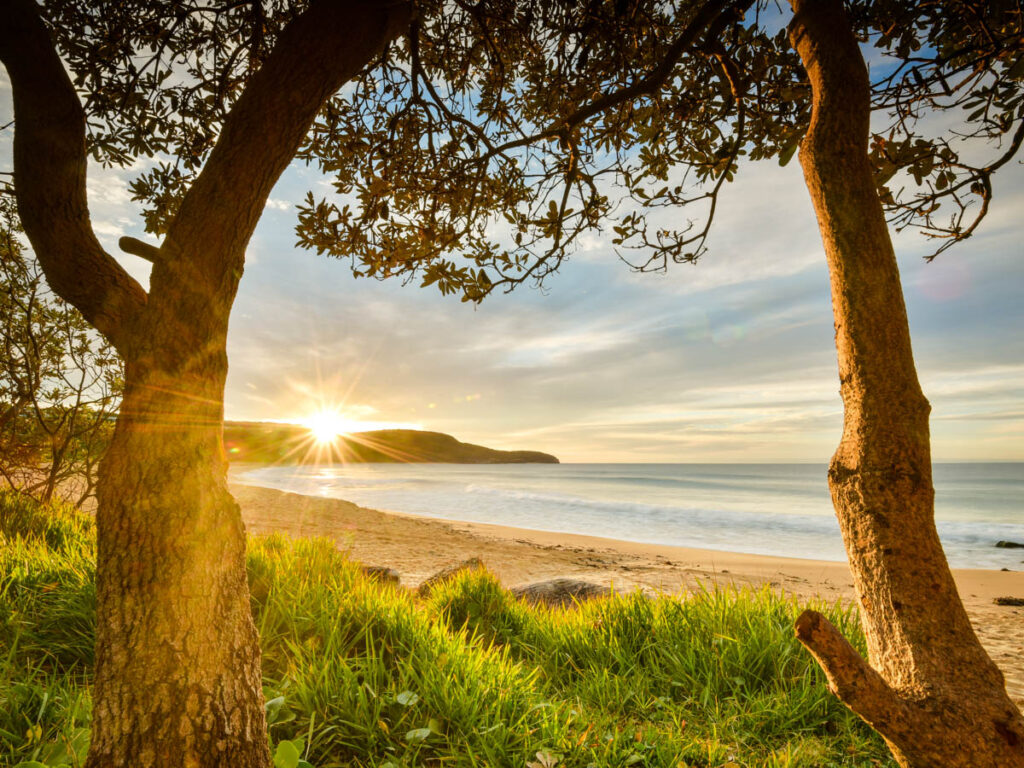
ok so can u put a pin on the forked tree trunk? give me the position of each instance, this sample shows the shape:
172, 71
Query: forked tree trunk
177, 677
931, 690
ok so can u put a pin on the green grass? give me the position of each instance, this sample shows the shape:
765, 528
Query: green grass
362, 674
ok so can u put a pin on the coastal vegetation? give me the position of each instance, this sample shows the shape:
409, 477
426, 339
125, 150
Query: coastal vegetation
362, 673
60, 382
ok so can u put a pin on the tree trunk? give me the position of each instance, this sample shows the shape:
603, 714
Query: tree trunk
931, 689
177, 678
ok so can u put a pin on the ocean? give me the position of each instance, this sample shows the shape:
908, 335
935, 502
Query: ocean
769, 509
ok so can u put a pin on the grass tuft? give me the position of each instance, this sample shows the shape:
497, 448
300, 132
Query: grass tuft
357, 673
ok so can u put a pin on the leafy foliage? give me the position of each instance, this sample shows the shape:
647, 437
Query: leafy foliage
506, 132
485, 146
484, 149
964, 59
159, 78
60, 383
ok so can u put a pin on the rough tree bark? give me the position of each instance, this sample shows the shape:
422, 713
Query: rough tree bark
930, 690
177, 676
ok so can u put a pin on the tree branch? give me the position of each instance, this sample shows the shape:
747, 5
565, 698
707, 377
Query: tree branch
850, 677
315, 55
50, 167
137, 247
711, 16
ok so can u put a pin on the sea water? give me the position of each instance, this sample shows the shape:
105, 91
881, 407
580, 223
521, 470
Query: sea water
770, 509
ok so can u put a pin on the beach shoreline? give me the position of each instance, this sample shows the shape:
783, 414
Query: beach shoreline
417, 547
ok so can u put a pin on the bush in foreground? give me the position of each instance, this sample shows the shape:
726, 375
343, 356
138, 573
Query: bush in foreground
362, 674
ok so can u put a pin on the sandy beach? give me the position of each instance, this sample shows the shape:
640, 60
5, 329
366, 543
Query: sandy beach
417, 547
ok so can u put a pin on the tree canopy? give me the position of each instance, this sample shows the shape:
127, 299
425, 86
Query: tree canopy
486, 142
480, 146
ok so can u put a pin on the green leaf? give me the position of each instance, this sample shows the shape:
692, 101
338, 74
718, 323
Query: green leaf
416, 735
407, 698
788, 151
273, 705
55, 754
278, 712
287, 755
1017, 70
79, 744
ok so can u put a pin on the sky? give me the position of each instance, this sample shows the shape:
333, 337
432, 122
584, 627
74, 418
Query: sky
728, 360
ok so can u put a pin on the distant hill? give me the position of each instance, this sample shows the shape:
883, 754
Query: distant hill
265, 442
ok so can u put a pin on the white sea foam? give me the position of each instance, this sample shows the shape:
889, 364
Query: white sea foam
781, 509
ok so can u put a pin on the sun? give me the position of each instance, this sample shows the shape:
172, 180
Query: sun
327, 426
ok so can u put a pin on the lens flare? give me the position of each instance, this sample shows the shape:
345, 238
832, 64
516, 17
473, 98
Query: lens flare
327, 426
